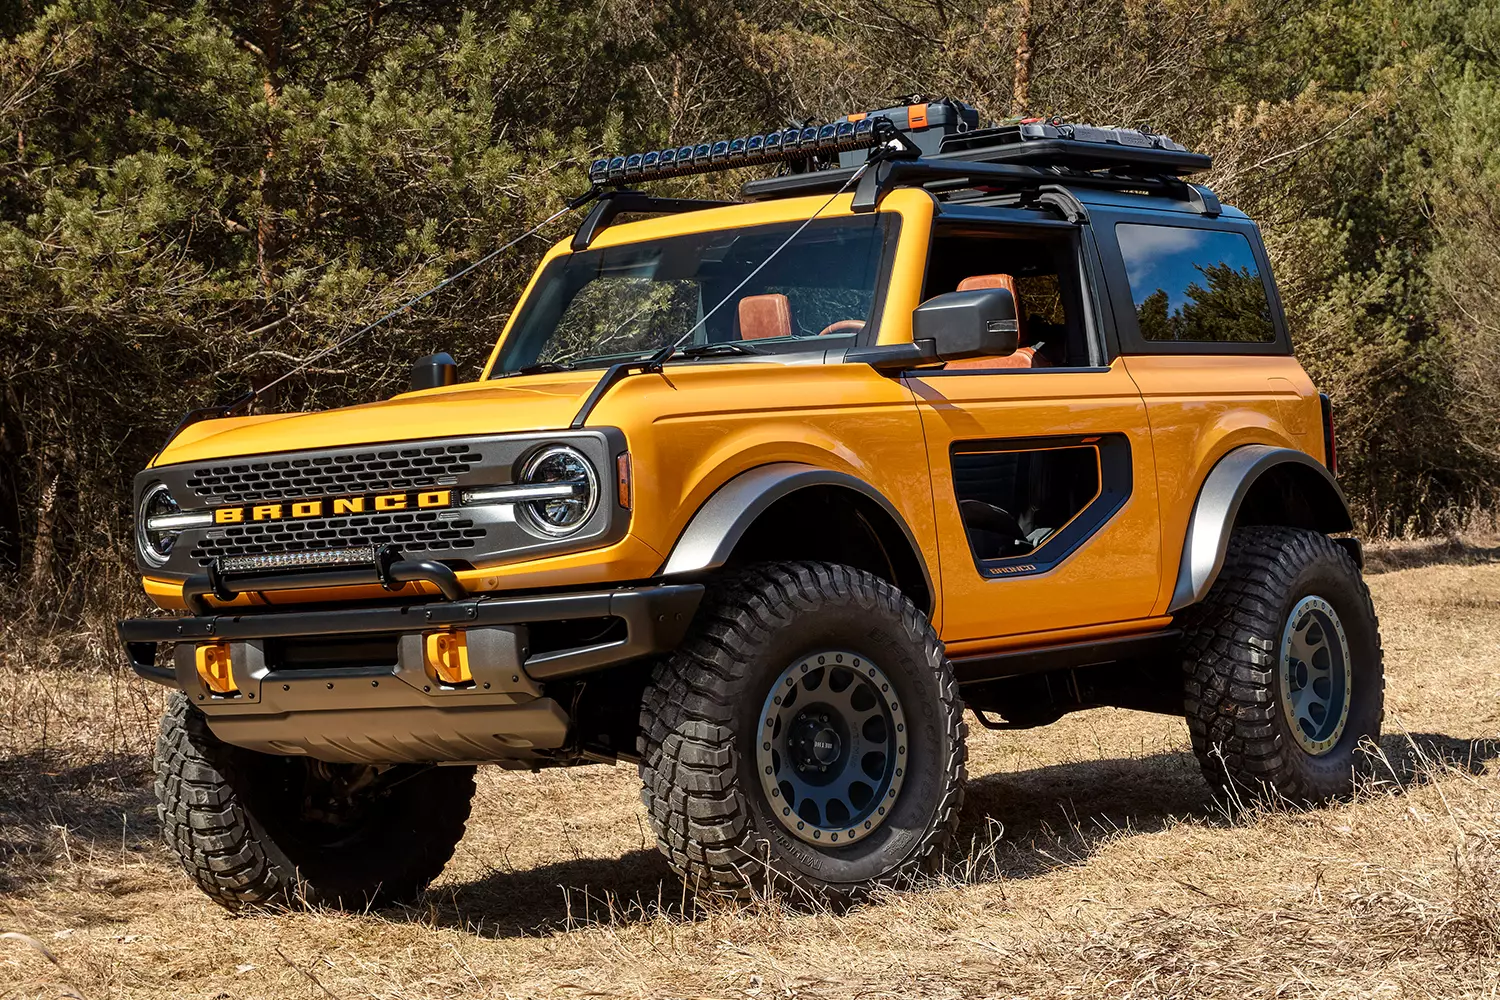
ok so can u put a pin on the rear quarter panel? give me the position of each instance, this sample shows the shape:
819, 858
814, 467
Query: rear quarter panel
1200, 407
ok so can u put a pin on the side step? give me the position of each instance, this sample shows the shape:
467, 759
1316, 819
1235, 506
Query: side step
1017, 663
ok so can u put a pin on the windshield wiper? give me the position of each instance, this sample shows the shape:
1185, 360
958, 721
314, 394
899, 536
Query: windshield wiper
712, 350
540, 367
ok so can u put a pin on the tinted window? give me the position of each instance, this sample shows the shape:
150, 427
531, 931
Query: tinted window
1196, 285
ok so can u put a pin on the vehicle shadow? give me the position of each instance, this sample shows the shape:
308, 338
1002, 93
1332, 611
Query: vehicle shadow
1390, 557
1014, 825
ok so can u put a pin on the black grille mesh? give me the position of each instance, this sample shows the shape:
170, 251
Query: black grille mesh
384, 471
416, 530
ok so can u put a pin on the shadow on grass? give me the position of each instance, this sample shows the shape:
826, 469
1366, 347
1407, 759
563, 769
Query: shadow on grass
1052, 817
51, 810
1392, 556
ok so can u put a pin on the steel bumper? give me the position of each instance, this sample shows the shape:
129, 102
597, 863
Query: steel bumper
389, 713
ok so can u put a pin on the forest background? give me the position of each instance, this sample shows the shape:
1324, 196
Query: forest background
196, 195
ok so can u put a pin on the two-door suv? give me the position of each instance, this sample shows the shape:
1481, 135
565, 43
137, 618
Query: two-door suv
760, 496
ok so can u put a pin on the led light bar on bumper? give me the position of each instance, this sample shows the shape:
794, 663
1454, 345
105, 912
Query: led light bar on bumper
466, 502
313, 559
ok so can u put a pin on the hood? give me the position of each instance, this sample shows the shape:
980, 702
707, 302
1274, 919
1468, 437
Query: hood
502, 406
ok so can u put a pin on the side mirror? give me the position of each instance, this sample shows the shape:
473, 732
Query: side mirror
433, 371
977, 324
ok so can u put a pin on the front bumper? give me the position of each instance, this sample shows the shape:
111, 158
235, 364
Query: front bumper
396, 712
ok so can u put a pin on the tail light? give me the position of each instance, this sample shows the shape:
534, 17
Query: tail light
1330, 442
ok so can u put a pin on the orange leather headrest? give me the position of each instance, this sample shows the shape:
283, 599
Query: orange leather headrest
975, 282
763, 316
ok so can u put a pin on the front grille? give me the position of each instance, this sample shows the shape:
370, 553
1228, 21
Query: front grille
411, 530
388, 470
473, 534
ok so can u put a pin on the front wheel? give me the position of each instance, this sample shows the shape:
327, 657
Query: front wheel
1283, 668
253, 829
808, 735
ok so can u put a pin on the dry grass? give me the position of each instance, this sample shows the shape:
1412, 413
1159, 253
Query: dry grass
1113, 875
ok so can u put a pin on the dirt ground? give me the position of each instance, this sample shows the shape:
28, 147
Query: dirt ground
1093, 864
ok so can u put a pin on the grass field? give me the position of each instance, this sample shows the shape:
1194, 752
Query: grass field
1093, 864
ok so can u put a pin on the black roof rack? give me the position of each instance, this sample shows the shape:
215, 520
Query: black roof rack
944, 149
968, 173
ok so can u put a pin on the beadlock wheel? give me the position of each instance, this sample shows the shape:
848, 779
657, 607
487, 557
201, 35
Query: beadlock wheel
1283, 674
809, 695
833, 748
1315, 675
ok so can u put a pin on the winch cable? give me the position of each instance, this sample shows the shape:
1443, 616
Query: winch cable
357, 334
617, 372
249, 398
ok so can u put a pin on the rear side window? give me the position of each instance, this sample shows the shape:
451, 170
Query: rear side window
1195, 285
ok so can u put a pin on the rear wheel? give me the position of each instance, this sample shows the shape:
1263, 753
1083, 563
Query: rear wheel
808, 734
1283, 668
253, 829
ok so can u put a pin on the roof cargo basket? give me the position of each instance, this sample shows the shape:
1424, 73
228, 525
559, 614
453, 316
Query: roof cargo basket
1080, 147
927, 123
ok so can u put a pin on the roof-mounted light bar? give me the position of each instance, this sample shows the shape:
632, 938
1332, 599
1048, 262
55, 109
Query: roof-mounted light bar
786, 146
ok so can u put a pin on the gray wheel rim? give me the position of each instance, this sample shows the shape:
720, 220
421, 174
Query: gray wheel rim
831, 751
1315, 675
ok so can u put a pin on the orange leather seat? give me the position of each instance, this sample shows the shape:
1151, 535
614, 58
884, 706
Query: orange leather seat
1026, 355
763, 316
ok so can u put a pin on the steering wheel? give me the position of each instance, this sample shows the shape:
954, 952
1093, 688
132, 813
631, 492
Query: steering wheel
839, 326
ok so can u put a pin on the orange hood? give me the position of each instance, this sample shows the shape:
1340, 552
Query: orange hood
502, 406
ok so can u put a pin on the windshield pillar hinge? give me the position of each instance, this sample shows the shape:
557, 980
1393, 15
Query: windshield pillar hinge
612, 374
613, 204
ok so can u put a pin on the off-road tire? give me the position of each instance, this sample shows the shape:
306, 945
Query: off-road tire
1231, 661
216, 814
712, 819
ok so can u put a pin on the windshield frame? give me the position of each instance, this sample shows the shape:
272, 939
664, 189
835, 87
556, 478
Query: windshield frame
897, 244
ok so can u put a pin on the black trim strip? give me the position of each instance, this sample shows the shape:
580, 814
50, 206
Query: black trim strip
1014, 663
1116, 483
930, 372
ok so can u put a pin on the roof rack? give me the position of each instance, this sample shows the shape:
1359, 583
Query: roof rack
944, 149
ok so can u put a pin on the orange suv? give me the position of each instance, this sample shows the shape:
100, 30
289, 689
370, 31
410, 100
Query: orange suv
761, 496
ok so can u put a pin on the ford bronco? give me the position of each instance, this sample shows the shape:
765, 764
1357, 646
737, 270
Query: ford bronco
761, 496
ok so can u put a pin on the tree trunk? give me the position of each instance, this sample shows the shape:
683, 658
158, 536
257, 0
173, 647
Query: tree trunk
42, 582
1020, 99
271, 25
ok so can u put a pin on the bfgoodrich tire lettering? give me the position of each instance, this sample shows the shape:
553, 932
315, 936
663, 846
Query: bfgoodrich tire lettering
1233, 685
245, 840
711, 815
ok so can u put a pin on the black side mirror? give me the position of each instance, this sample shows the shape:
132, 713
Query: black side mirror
433, 371
977, 324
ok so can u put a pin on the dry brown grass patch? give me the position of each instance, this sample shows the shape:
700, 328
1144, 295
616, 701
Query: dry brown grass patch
1095, 865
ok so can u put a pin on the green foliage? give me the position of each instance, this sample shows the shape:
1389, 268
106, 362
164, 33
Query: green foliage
1231, 310
196, 193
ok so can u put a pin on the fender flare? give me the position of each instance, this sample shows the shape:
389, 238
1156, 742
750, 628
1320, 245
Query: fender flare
717, 527
1224, 489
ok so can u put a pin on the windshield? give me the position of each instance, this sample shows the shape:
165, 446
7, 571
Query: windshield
623, 302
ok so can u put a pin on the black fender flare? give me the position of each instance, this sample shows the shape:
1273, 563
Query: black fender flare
717, 527
1223, 491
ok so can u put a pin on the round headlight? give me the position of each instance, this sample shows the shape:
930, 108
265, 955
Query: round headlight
561, 466
156, 544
